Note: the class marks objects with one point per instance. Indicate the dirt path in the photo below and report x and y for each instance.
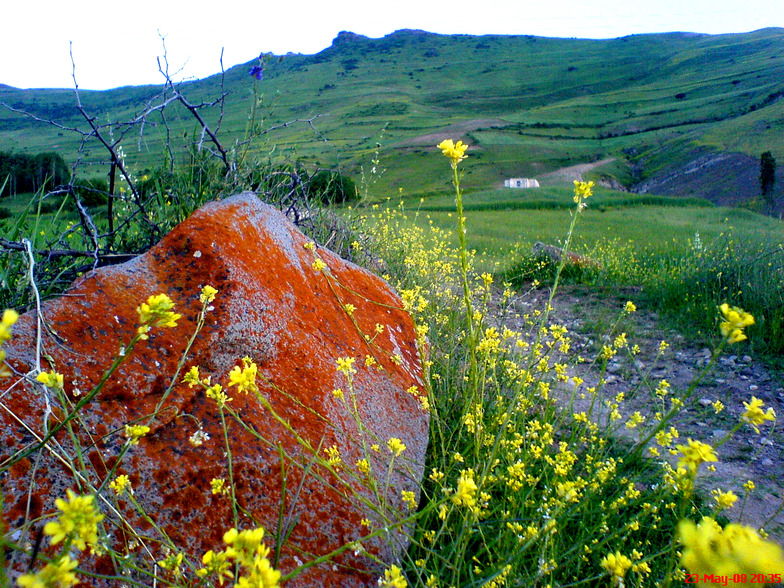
(734, 379)
(574, 172)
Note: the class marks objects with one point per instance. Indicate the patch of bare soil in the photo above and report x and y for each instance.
(574, 172)
(733, 380)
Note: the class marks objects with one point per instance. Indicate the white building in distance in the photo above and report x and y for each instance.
(521, 183)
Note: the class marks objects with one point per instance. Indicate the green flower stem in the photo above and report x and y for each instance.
(230, 467)
(461, 236)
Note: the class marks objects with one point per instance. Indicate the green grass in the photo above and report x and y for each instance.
(549, 198)
(492, 232)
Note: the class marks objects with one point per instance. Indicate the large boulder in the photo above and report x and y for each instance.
(294, 321)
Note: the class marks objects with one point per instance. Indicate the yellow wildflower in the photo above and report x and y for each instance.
(9, 318)
(582, 190)
(120, 483)
(207, 294)
(363, 466)
(409, 499)
(724, 499)
(630, 307)
(218, 486)
(333, 456)
(217, 394)
(393, 578)
(346, 365)
(244, 378)
(216, 563)
(172, 563)
(78, 522)
(466, 489)
(319, 264)
(51, 380)
(454, 151)
(735, 320)
(616, 564)
(135, 432)
(156, 312)
(736, 549)
(754, 415)
(396, 446)
(57, 573)
(192, 377)
(695, 453)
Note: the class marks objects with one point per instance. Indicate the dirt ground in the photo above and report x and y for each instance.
(733, 379)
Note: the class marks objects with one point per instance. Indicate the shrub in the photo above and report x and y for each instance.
(92, 192)
(331, 187)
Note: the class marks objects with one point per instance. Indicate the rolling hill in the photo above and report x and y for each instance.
(676, 114)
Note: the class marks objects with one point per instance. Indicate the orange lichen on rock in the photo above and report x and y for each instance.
(290, 319)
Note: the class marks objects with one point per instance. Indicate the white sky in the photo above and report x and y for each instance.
(116, 43)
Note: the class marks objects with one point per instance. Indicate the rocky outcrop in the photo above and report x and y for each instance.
(277, 306)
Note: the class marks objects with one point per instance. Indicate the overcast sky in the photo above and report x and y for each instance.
(116, 43)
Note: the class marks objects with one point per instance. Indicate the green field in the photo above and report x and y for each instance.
(492, 232)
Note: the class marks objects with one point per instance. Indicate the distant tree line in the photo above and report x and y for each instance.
(20, 172)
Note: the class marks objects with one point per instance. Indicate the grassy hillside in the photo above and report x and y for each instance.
(652, 105)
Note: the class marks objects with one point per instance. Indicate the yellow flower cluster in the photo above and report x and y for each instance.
(616, 564)
(582, 190)
(736, 549)
(246, 550)
(735, 320)
(244, 378)
(754, 414)
(219, 487)
(77, 523)
(76, 527)
(51, 380)
(724, 499)
(57, 573)
(454, 151)
(694, 454)
(346, 366)
(120, 484)
(9, 318)
(216, 393)
(393, 578)
(207, 294)
(7, 321)
(135, 432)
(465, 495)
(156, 312)
(396, 446)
